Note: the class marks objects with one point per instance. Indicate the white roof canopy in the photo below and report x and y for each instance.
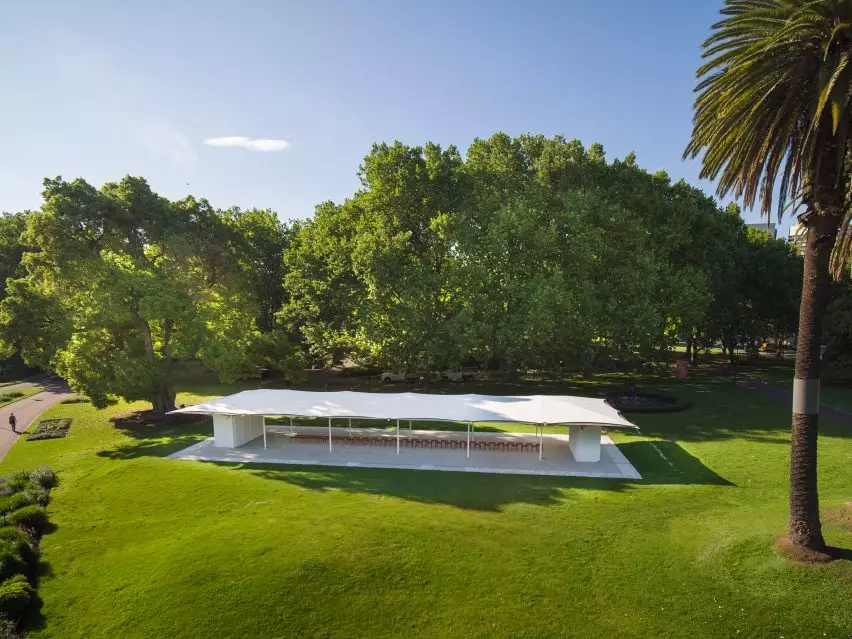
(531, 409)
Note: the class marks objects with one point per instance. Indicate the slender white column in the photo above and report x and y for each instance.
(350, 427)
(541, 442)
(329, 434)
(397, 437)
(264, 432)
(468, 438)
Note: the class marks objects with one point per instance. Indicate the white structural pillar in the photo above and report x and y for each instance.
(585, 443)
(231, 431)
(468, 438)
(397, 437)
(541, 443)
(329, 434)
(264, 432)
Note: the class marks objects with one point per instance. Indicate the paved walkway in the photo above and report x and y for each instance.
(28, 409)
(784, 396)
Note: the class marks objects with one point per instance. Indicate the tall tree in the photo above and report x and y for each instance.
(12, 227)
(261, 239)
(123, 285)
(773, 109)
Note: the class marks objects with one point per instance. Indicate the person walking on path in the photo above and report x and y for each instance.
(13, 421)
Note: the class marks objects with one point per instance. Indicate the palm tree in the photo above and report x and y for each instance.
(773, 112)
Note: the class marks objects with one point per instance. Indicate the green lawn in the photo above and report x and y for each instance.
(150, 547)
(27, 391)
(781, 375)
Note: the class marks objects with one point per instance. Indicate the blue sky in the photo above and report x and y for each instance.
(99, 90)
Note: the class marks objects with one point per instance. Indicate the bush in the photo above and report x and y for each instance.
(14, 502)
(5, 397)
(45, 477)
(34, 517)
(12, 561)
(36, 495)
(8, 628)
(15, 595)
(23, 545)
(76, 400)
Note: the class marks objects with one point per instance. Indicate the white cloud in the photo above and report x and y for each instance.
(253, 144)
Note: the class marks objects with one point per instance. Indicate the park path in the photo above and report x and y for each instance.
(784, 396)
(29, 408)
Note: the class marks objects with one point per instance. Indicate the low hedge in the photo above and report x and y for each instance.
(12, 561)
(45, 477)
(21, 542)
(32, 517)
(23, 519)
(16, 593)
(10, 503)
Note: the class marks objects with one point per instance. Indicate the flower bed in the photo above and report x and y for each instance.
(51, 429)
(628, 402)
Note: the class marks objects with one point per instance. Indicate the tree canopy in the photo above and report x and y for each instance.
(529, 251)
(123, 284)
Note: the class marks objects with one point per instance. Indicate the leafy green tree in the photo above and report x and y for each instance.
(325, 294)
(12, 226)
(261, 240)
(123, 285)
(773, 108)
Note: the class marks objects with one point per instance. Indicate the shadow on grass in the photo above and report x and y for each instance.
(489, 492)
(157, 437)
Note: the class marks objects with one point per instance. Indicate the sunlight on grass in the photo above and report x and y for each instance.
(147, 546)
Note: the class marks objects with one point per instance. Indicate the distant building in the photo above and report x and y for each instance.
(766, 227)
(797, 237)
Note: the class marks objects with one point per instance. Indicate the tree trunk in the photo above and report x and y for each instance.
(688, 348)
(804, 526)
(163, 401)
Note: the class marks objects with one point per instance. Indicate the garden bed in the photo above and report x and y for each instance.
(51, 429)
(627, 402)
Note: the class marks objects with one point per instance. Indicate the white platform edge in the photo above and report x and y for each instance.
(628, 471)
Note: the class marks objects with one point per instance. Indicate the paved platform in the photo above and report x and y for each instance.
(286, 447)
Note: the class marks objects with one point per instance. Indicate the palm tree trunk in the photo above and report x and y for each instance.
(804, 526)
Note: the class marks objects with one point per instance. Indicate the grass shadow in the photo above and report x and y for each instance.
(157, 436)
(490, 492)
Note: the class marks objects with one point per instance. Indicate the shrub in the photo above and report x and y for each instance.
(12, 561)
(34, 517)
(5, 397)
(16, 594)
(76, 400)
(23, 545)
(14, 502)
(45, 477)
(36, 495)
(8, 628)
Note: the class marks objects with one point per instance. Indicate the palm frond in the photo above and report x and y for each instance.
(773, 104)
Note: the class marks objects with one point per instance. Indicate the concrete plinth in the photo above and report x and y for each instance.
(230, 431)
(585, 443)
